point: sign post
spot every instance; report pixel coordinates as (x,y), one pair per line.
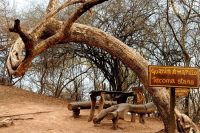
(168,76)
(172,112)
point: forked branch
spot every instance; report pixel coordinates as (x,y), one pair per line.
(51,13)
(81,10)
(33,46)
(17,29)
(52,6)
(26,38)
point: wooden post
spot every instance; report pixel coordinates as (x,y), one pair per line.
(141,118)
(101,102)
(172,124)
(133,117)
(76,113)
(93,104)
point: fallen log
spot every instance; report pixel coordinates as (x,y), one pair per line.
(77,106)
(118,111)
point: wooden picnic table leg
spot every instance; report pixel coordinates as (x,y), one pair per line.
(141,118)
(133,117)
(93,104)
(76,113)
(101,102)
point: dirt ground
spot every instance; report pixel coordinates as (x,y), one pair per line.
(48,115)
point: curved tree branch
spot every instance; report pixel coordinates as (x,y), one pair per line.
(60,35)
(80,11)
(26,38)
(51,13)
(52,6)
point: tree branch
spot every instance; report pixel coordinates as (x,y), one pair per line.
(51,6)
(64,31)
(17,29)
(190,7)
(180,42)
(81,10)
(52,13)
(175,11)
(167,12)
(61,34)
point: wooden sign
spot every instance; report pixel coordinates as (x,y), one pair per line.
(167,76)
(182,91)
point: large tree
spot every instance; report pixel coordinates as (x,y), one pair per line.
(51,31)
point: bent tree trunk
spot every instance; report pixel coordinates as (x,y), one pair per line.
(38,41)
(96,37)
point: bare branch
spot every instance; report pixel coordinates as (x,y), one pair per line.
(66,4)
(26,38)
(81,10)
(180,42)
(190,7)
(51,14)
(52,6)
(167,12)
(189,12)
(17,29)
(176,12)
(62,34)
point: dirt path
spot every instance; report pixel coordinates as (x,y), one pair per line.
(56,118)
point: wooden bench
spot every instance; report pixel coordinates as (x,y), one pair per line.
(120,97)
(77,106)
(118,111)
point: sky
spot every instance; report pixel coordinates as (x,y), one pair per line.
(21,5)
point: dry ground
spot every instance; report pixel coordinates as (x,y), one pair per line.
(51,115)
